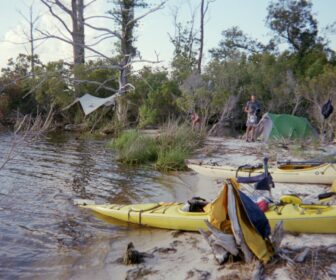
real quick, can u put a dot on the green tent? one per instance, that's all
(273, 126)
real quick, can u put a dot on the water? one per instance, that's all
(42, 234)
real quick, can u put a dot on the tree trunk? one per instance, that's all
(78, 38)
(127, 52)
(78, 35)
(31, 40)
(200, 55)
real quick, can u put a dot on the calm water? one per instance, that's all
(42, 234)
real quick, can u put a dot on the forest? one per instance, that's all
(296, 80)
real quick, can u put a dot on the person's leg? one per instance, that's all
(248, 129)
(253, 133)
(245, 133)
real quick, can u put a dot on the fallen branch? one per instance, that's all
(27, 131)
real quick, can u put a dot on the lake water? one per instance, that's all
(43, 235)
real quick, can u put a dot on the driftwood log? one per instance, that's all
(133, 256)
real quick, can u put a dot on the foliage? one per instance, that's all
(234, 42)
(15, 83)
(171, 160)
(123, 15)
(135, 148)
(52, 88)
(97, 78)
(317, 91)
(155, 96)
(293, 22)
(185, 44)
(169, 150)
(296, 80)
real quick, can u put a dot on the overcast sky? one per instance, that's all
(248, 15)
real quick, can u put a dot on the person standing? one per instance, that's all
(195, 120)
(252, 108)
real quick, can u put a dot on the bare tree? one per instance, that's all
(30, 35)
(204, 9)
(125, 22)
(76, 15)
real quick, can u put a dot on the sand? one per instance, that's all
(186, 255)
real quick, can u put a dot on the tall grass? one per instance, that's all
(134, 148)
(167, 151)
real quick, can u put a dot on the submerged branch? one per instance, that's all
(27, 131)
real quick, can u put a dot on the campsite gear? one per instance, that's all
(327, 109)
(297, 218)
(91, 103)
(326, 195)
(277, 127)
(234, 212)
(196, 204)
(262, 204)
(264, 182)
(291, 172)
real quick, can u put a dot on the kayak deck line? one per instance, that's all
(321, 174)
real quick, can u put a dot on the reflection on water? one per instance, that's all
(42, 234)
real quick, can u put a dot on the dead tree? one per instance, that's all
(77, 32)
(123, 16)
(204, 9)
(123, 21)
(76, 14)
(30, 35)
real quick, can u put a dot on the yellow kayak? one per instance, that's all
(296, 218)
(286, 173)
(159, 215)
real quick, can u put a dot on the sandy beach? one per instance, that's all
(185, 255)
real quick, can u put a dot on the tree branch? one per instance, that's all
(56, 16)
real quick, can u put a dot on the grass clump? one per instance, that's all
(168, 150)
(134, 148)
(171, 160)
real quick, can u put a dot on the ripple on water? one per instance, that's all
(42, 234)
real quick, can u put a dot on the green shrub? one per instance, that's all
(134, 148)
(147, 115)
(172, 160)
(182, 136)
(142, 150)
(124, 140)
(169, 150)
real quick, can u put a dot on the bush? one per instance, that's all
(134, 148)
(171, 160)
(168, 150)
(147, 115)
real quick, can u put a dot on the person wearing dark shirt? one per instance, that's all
(252, 108)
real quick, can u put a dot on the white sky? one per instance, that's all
(248, 15)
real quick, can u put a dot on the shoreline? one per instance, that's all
(186, 255)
